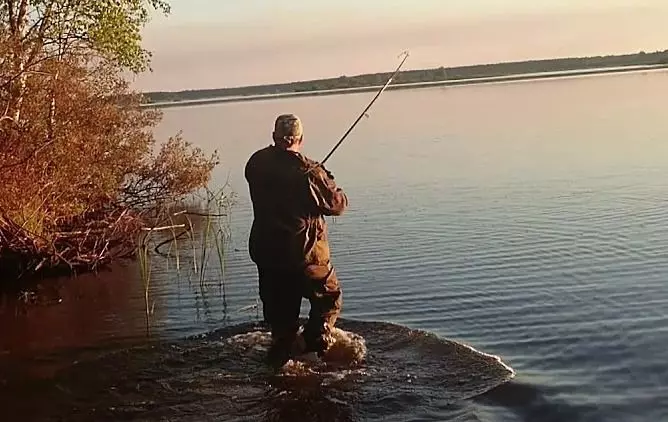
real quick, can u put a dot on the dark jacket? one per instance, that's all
(289, 204)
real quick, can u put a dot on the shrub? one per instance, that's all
(79, 169)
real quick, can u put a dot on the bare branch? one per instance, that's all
(40, 33)
(28, 156)
(23, 9)
(37, 22)
(13, 25)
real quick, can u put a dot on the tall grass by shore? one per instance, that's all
(187, 238)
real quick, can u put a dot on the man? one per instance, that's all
(288, 242)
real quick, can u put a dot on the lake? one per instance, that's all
(527, 220)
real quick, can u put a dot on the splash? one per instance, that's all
(346, 353)
(373, 369)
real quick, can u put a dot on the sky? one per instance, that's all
(225, 43)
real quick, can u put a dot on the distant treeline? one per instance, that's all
(426, 75)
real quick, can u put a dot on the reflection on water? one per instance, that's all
(120, 306)
(528, 220)
(72, 313)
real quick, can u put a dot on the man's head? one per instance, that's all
(288, 132)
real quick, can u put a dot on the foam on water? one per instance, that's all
(348, 347)
(342, 359)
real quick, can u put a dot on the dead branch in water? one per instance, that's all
(23, 253)
(163, 228)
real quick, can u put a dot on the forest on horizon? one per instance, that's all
(417, 76)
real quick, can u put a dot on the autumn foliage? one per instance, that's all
(79, 166)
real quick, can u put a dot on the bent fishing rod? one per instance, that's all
(364, 112)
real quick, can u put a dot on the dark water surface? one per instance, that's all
(527, 220)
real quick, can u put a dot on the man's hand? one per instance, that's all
(328, 197)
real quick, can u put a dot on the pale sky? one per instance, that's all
(223, 43)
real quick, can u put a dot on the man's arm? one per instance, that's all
(328, 197)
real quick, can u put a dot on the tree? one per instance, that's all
(41, 30)
(76, 168)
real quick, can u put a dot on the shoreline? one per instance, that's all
(518, 77)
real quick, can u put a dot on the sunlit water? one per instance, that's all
(527, 220)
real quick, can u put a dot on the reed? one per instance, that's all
(175, 245)
(144, 262)
(203, 228)
(143, 255)
(220, 206)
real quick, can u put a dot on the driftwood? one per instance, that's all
(85, 243)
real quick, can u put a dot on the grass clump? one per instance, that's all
(194, 236)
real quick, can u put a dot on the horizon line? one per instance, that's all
(403, 71)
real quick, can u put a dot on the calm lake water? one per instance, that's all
(528, 220)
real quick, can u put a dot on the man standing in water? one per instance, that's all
(291, 194)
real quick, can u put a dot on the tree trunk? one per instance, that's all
(17, 19)
(19, 90)
(52, 108)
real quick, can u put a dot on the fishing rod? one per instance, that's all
(364, 112)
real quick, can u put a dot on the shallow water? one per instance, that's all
(527, 220)
(221, 375)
